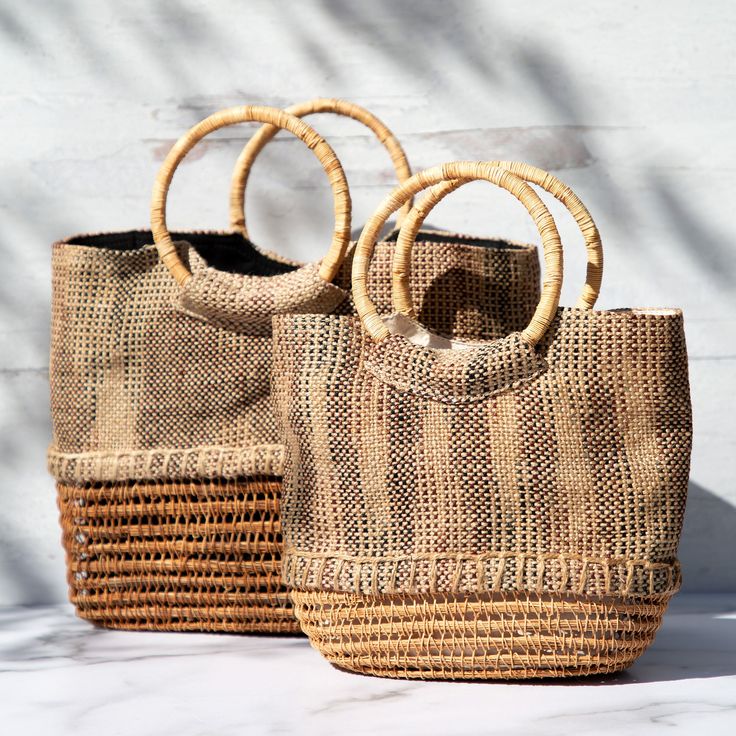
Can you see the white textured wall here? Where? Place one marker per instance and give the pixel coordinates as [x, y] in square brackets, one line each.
[632, 103]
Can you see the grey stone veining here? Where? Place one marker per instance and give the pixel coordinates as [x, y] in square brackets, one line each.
[59, 675]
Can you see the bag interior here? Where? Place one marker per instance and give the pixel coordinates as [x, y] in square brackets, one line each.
[229, 252]
[232, 253]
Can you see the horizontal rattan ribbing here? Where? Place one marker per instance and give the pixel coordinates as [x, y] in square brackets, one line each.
[491, 636]
[266, 133]
[177, 556]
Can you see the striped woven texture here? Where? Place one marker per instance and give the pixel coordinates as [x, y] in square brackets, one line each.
[500, 470]
[164, 432]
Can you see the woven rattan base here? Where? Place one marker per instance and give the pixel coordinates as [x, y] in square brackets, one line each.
[489, 636]
[177, 556]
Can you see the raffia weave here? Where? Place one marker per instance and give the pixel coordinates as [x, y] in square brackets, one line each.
[501, 470]
[155, 388]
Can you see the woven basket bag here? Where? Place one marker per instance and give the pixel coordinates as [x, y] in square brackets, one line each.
[166, 450]
[498, 509]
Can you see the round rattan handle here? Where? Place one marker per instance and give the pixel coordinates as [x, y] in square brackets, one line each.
[260, 114]
[464, 170]
[401, 293]
[266, 133]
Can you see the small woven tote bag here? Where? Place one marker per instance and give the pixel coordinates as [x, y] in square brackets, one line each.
[498, 509]
[166, 450]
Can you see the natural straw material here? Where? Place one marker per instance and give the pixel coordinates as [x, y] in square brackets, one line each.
[281, 120]
[463, 287]
[150, 382]
[177, 556]
[468, 170]
[481, 636]
[147, 396]
[266, 133]
[508, 508]
[402, 262]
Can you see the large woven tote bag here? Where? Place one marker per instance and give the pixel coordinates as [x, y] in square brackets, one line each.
[500, 509]
[166, 450]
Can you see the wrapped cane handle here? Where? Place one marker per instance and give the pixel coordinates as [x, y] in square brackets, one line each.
[266, 133]
[401, 293]
[469, 171]
[261, 114]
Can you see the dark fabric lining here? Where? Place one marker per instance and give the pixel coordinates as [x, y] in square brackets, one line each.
[235, 254]
[225, 252]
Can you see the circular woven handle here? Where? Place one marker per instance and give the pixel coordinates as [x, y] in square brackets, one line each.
[266, 133]
[401, 269]
[260, 114]
[466, 170]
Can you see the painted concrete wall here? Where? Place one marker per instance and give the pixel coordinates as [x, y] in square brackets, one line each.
[631, 103]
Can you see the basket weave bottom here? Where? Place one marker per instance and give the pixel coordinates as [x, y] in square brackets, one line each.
[486, 636]
[177, 556]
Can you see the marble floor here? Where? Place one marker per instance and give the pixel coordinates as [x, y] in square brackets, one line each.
[59, 675]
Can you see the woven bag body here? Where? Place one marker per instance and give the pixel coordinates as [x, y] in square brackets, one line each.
[504, 509]
[166, 449]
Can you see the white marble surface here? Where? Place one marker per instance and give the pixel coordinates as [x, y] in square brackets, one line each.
[59, 675]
